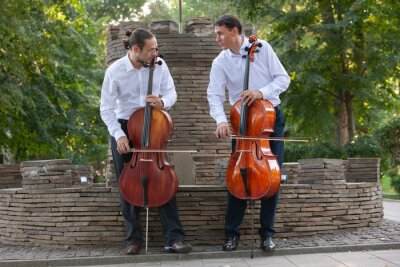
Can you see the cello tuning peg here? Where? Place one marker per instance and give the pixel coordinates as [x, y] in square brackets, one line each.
[246, 49]
[243, 56]
[161, 55]
[259, 44]
[159, 62]
[257, 51]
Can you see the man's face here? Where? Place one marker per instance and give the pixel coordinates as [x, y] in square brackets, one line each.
[225, 37]
[148, 52]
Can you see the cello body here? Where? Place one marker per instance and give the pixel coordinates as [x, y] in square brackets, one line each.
[255, 156]
[253, 171]
[148, 180]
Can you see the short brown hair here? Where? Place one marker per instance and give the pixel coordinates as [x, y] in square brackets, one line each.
[230, 21]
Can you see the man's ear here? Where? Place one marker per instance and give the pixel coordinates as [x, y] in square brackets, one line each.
[235, 30]
[135, 49]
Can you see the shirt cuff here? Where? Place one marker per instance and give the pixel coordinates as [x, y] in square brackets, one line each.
[118, 134]
[266, 92]
[220, 119]
[167, 105]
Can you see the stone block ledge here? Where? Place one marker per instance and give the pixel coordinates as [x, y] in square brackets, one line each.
[91, 216]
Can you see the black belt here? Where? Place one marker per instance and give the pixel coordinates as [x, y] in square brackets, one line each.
[124, 125]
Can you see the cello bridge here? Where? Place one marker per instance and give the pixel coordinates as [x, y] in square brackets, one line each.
[146, 160]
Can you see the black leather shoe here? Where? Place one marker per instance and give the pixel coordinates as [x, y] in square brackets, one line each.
[231, 243]
[133, 249]
[180, 247]
[267, 244]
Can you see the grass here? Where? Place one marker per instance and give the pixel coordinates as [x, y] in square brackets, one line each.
[391, 197]
[386, 186]
[387, 190]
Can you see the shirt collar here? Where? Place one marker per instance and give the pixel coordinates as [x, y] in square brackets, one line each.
[129, 66]
[128, 63]
[242, 49]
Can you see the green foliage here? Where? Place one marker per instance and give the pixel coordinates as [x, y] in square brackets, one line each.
[394, 175]
[322, 149]
[50, 77]
[388, 136]
[342, 57]
[387, 188]
[389, 139]
[364, 146]
[112, 10]
[169, 10]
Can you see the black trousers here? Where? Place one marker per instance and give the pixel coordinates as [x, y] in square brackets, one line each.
[237, 207]
[171, 225]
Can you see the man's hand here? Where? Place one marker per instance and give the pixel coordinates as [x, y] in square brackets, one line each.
[250, 95]
[223, 130]
[123, 145]
[155, 101]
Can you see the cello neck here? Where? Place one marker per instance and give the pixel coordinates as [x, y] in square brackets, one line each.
[246, 74]
[244, 108]
[147, 110]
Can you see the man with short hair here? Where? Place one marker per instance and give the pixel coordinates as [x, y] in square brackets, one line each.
[268, 79]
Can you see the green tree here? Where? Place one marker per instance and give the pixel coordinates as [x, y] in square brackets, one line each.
[343, 57]
[389, 139]
[112, 10]
[169, 10]
[50, 76]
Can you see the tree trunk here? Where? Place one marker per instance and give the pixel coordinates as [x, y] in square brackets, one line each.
[342, 126]
[350, 115]
[345, 127]
[293, 34]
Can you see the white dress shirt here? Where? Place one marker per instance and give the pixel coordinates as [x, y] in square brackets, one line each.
[125, 89]
[266, 74]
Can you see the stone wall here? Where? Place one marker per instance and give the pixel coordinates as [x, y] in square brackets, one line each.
[363, 170]
[57, 173]
[10, 176]
[321, 196]
[317, 200]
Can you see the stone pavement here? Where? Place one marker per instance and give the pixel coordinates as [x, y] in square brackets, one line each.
[379, 258]
[392, 209]
[380, 239]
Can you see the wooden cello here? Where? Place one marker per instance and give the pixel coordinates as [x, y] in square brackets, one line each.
[253, 171]
[148, 180]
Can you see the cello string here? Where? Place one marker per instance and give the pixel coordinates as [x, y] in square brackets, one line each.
[147, 226]
[163, 150]
[286, 139]
[147, 121]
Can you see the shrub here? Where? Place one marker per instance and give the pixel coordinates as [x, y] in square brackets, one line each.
[395, 179]
[364, 146]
